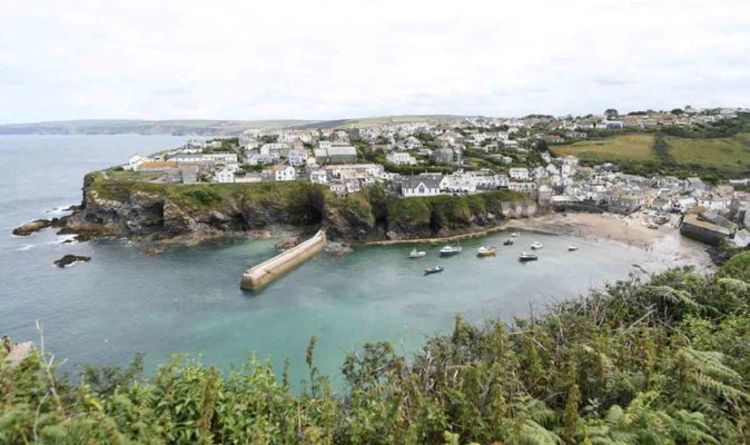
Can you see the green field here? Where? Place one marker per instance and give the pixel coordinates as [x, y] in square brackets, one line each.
[631, 147]
[721, 157]
[731, 154]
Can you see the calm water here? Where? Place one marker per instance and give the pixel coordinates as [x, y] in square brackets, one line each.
[188, 299]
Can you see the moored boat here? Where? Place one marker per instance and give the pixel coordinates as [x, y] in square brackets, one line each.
[432, 270]
[417, 254]
[572, 248]
[451, 250]
[508, 242]
[486, 251]
[525, 256]
[514, 234]
[536, 245]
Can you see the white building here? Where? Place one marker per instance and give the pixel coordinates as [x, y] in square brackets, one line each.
[136, 160]
[421, 185]
[224, 176]
[319, 177]
[519, 174]
[400, 158]
[297, 158]
[284, 173]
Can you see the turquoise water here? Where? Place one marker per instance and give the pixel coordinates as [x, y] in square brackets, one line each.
[187, 300]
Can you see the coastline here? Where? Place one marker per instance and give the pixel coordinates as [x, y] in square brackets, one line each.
[631, 230]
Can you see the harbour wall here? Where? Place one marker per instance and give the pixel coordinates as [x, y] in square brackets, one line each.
[264, 273]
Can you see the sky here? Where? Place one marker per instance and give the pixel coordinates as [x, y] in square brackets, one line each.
[331, 59]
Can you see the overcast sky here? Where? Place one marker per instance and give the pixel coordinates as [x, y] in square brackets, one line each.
[318, 59]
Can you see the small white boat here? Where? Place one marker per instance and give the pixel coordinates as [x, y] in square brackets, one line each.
[451, 250]
[432, 270]
[417, 254]
[486, 251]
[525, 256]
[572, 248]
[536, 245]
[514, 234]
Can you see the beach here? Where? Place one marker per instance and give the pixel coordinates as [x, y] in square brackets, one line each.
[631, 230]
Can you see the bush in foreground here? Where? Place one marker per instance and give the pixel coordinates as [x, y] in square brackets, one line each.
[657, 362]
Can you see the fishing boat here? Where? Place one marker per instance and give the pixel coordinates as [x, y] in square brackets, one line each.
[514, 234]
[417, 254]
[451, 250]
[572, 248]
[508, 242]
[432, 270]
[536, 245]
[525, 256]
[486, 251]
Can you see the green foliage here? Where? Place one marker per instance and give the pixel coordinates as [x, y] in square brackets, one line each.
[737, 267]
[662, 362]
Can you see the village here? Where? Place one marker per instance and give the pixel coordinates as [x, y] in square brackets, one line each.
[466, 156]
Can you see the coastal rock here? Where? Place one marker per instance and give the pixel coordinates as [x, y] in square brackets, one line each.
[288, 242]
[336, 248]
[153, 250]
[175, 221]
[70, 259]
[32, 227]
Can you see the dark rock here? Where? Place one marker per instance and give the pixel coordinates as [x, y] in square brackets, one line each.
[338, 248]
[32, 227]
[70, 259]
[287, 242]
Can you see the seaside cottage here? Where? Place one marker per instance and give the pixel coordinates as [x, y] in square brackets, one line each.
[420, 186]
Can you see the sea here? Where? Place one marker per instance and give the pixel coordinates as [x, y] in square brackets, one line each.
[187, 300]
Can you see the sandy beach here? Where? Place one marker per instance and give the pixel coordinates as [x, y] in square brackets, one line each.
[632, 230]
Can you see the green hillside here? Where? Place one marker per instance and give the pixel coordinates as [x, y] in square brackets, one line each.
[653, 153]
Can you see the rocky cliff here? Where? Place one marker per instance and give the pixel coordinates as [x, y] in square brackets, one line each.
[195, 212]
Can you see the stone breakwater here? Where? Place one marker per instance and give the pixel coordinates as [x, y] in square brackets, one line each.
[264, 273]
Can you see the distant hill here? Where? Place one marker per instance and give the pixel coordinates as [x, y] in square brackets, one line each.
[173, 127]
[199, 127]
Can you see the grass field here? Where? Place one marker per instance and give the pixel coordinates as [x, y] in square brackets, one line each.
[723, 157]
[732, 153]
[631, 147]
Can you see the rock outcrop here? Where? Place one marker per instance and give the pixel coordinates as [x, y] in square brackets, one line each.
[69, 259]
[189, 214]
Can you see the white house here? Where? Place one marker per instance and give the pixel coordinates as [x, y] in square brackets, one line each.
[297, 158]
[459, 182]
[319, 177]
[284, 173]
[422, 185]
[136, 160]
[224, 176]
[400, 158]
[519, 173]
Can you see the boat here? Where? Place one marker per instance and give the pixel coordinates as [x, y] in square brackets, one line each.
[451, 250]
[536, 245]
[514, 234]
[508, 242]
[417, 254]
[653, 226]
[525, 256]
[432, 270]
[572, 248]
[486, 251]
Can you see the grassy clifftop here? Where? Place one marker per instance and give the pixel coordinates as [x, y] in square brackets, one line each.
[369, 214]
